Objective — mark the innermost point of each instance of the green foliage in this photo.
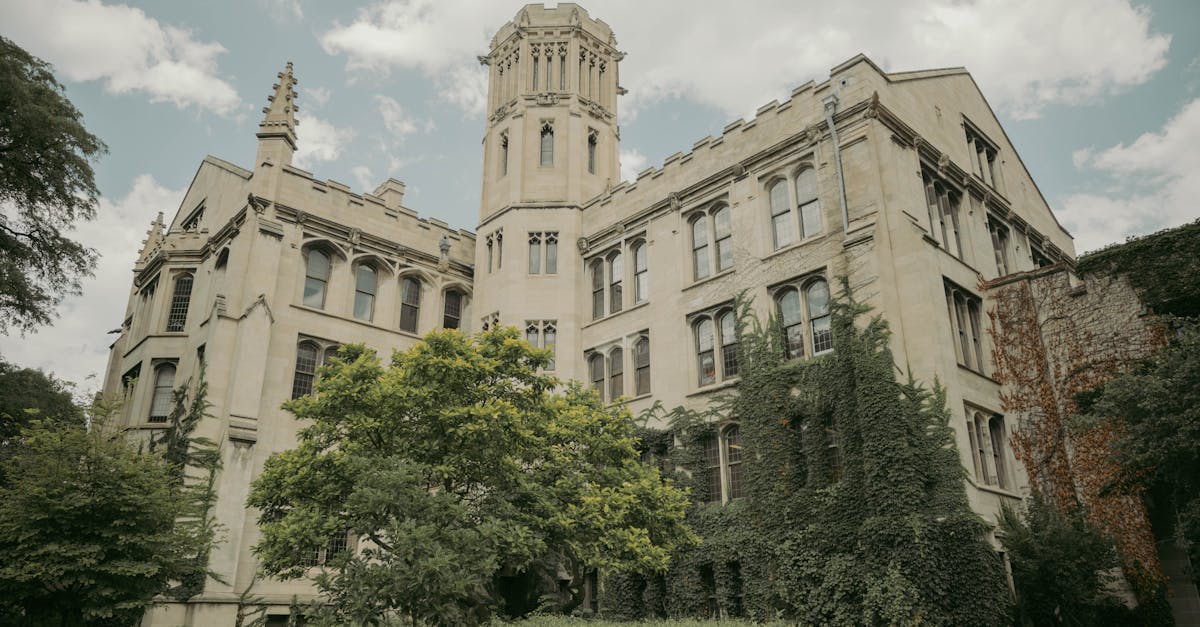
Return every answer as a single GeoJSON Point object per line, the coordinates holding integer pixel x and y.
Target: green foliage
{"type": "Point", "coordinates": [1157, 407]}
{"type": "Point", "coordinates": [46, 186]}
{"type": "Point", "coordinates": [1061, 566]}
{"type": "Point", "coordinates": [86, 529]}
{"type": "Point", "coordinates": [1164, 268]}
{"type": "Point", "coordinates": [459, 467]}
{"type": "Point", "coordinates": [28, 395]}
{"type": "Point", "coordinates": [855, 510]}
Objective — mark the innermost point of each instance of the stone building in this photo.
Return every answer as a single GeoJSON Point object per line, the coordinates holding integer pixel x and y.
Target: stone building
{"type": "Point", "coordinates": [905, 183]}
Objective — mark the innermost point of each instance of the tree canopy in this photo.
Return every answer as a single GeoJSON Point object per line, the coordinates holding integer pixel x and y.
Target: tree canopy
{"type": "Point", "coordinates": [46, 186]}
{"type": "Point", "coordinates": [462, 471]}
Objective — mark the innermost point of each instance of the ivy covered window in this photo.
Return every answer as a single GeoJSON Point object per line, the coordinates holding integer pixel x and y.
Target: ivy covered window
{"type": "Point", "coordinates": [989, 448]}
{"type": "Point", "coordinates": [716, 330]}
{"type": "Point", "coordinates": [804, 315]}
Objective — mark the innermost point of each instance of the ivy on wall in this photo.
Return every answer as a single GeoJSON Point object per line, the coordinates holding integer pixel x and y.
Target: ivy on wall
{"type": "Point", "coordinates": [855, 509]}
{"type": "Point", "coordinates": [1164, 267]}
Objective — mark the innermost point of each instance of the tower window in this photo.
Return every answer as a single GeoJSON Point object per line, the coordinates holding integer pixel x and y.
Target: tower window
{"type": "Point", "coordinates": [160, 401]}
{"type": "Point", "coordinates": [539, 242]}
{"type": "Point", "coordinates": [316, 278]}
{"type": "Point", "coordinates": [503, 154]}
{"type": "Point", "coordinates": [179, 303]}
{"type": "Point", "coordinates": [547, 145]}
{"type": "Point", "coordinates": [410, 304]}
{"type": "Point", "coordinates": [543, 334]}
{"type": "Point", "coordinates": [591, 152]}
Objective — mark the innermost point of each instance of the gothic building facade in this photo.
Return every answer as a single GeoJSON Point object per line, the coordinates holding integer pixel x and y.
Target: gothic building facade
{"type": "Point", "coordinates": [904, 183]}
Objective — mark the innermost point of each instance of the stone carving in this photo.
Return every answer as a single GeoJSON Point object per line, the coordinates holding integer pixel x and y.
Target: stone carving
{"type": "Point", "coordinates": [739, 170]}
{"type": "Point", "coordinates": [355, 236]}
{"type": "Point", "coordinates": [582, 244]}
{"type": "Point", "coordinates": [673, 199]}
{"type": "Point", "coordinates": [547, 99]}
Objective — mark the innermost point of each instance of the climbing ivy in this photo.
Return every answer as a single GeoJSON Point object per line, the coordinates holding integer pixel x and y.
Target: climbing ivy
{"type": "Point", "coordinates": [855, 509]}
{"type": "Point", "coordinates": [1163, 267]}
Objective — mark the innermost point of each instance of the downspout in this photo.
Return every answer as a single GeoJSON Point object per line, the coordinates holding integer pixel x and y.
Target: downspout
{"type": "Point", "coordinates": [831, 102]}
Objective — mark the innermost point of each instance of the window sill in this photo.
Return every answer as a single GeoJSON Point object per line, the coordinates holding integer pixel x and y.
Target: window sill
{"type": "Point", "coordinates": [356, 321]}
{"type": "Point", "coordinates": [994, 490]}
{"type": "Point", "coordinates": [791, 247]}
{"type": "Point", "coordinates": [714, 387]}
{"type": "Point", "coordinates": [723, 273]}
{"type": "Point", "coordinates": [631, 399]}
{"type": "Point", "coordinates": [614, 315]}
{"type": "Point", "coordinates": [977, 373]}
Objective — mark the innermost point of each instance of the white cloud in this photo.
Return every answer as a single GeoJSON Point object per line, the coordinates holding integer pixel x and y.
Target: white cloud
{"type": "Point", "coordinates": [123, 47]}
{"type": "Point", "coordinates": [362, 176]}
{"type": "Point", "coordinates": [1148, 184]}
{"type": "Point", "coordinates": [318, 95]}
{"type": "Point", "coordinates": [1026, 54]}
{"type": "Point", "coordinates": [283, 10]}
{"type": "Point", "coordinates": [75, 347]}
{"type": "Point", "coordinates": [398, 121]}
{"type": "Point", "coordinates": [319, 141]}
{"type": "Point", "coordinates": [632, 162]}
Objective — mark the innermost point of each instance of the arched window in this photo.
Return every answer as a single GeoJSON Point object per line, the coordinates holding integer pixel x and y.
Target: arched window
{"type": "Point", "coordinates": [700, 265]}
{"type": "Point", "coordinates": [792, 320]}
{"type": "Point", "coordinates": [177, 317]}
{"type": "Point", "coordinates": [781, 214]}
{"type": "Point", "coordinates": [996, 429]}
{"type": "Point", "coordinates": [615, 273]}
{"type": "Point", "coordinates": [727, 323]}
{"type": "Point", "coordinates": [547, 145]}
{"type": "Point", "coordinates": [733, 461]}
{"type": "Point", "coordinates": [706, 364]}
{"type": "Point", "coordinates": [591, 152]}
{"type": "Point", "coordinates": [597, 270]}
{"type": "Point", "coordinates": [723, 236]}
{"type": "Point", "coordinates": [316, 278]}
{"type": "Point", "coordinates": [806, 201]}
{"type": "Point", "coordinates": [535, 253]}
{"type": "Point", "coordinates": [819, 318]}
{"type": "Point", "coordinates": [616, 374]}
{"type": "Point", "coordinates": [641, 359]}
{"type": "Point", "coordinates": [410, 304]}
{"type": "Point", "coordinates": [365, 284]}
{"type": "Point", "coordinates": [452, 317]}
{"type": "Point", "coordinates": [596, 373]}
{"type": "Point", "coordinates": [306, 369]}
{"type": "Point", "coordinates": [160, 400]}
{"type": "Point", "coordinates": [550, 341]}
{"type": "Point", "coordinates": [641, 277]}
{"type": "Point", "coordinates": [712, 459]}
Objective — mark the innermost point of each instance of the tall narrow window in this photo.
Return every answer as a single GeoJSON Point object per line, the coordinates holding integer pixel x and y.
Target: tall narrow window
{"type": "Point", "coordinates": [316, 278]}
{"type": "Point", "coordinates": [974, 450]}
{"type": "Point", "coordinates": [706, 364]}
{"type": "Point", "coordinates": [453, 314]}
{"type": "Point", "coordinates": [806, 200]}
{"type": "Point", "coordinates": [818, 316]}
{"type": "Point", "coordinates": [641, 359]}
{"type": "Point", "coordinates": [641, 277]}
{"type": "Point", "coordinates": [410, 304]}
{"type": "Point", "coordinates": [179, 303]}
{"type": "Point", "coordinates": [791, 318]}
{"type": "Point", "coordinates": [562, 68]}
{"type": "Point", "coordinates": [533, 332]}
{"type": "Point", "coordinates": [535, 253]}
{"type": "Point", "coordinates": [996, 427]}
{"type": "Point", "coordinates": [503, 154]}
{"type": "Point", "coordinates": [712, 458]}
{"type": "Point", "coordinates": [723, 236]}
{"type": "Point", "coordinates": [489, 253]}
{"type": "Point", "coordinates": [729, 344]}
{"type": "Point", "coordinates": [306, 369]}
{"type": "Point", "coordinates": [591, 152]}
{"type": "Point", "coordinates": [976, 332]}
{"type": "Point", "coordinates": [960, 314]}
{"type": "Point", "coordinates": [597, 270]}
{"type": "Point", "coordinates": [365, 285]}
{"type": "Point", "coordinates": [984, 456]}
{"type": "Point", "coordinates": [552, 253]}
{"type": "Point", "coordinates": [733, 460]}
{"type": "Point", "coordinates": [547, 145]}
{"type": "Point", "coordinates": [615, 273]}
{"type": "Point", "coordinates": [616, 374]}
{"type": "Point", "coordinates": [700, 247]}
{"type": "Point", "coordinates": [537, 50]}
{"type": "Point", "coordinates": [550, 341]}
{"type": "Point", "coordinates": [596, 373]}
{"type": "Point", "coordinates": [781, 215]}
{"type": "Point", "coordinates": [999, 245]}
{"type": "Point", "coordinates": [160, 401]}
{"type": "Point", "coordinates": [499, 249]}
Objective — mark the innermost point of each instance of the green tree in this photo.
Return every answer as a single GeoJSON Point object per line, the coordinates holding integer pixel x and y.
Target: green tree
{"type": "Point", "coordinates": [1061, 567]}
{"type": "Point", "coordinates": [1156, 407]}
{"type": "Point", "coordinates": [46, 186]}
{"type": "Point", "coordinates": [28, 395]}
{"type": "Point", "coordinates": [456, 465]}
{"type": "Point", "coordinates": [87, 533]}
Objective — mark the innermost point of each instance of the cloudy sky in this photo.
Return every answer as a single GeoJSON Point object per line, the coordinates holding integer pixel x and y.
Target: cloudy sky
{"type": "Point", "coordinates": [1101, 98]}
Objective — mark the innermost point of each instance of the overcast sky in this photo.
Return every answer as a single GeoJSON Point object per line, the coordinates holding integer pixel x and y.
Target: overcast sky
{"type": "Point", "coordinates": [1101, 98]}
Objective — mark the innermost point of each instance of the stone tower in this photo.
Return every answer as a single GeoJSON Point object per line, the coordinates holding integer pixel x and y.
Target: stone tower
{"type": "Point", "coordinates": [551, 144]}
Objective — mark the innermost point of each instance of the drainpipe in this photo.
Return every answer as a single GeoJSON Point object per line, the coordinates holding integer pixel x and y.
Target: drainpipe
{"type": "Point", "coordinates": [831, 102]}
